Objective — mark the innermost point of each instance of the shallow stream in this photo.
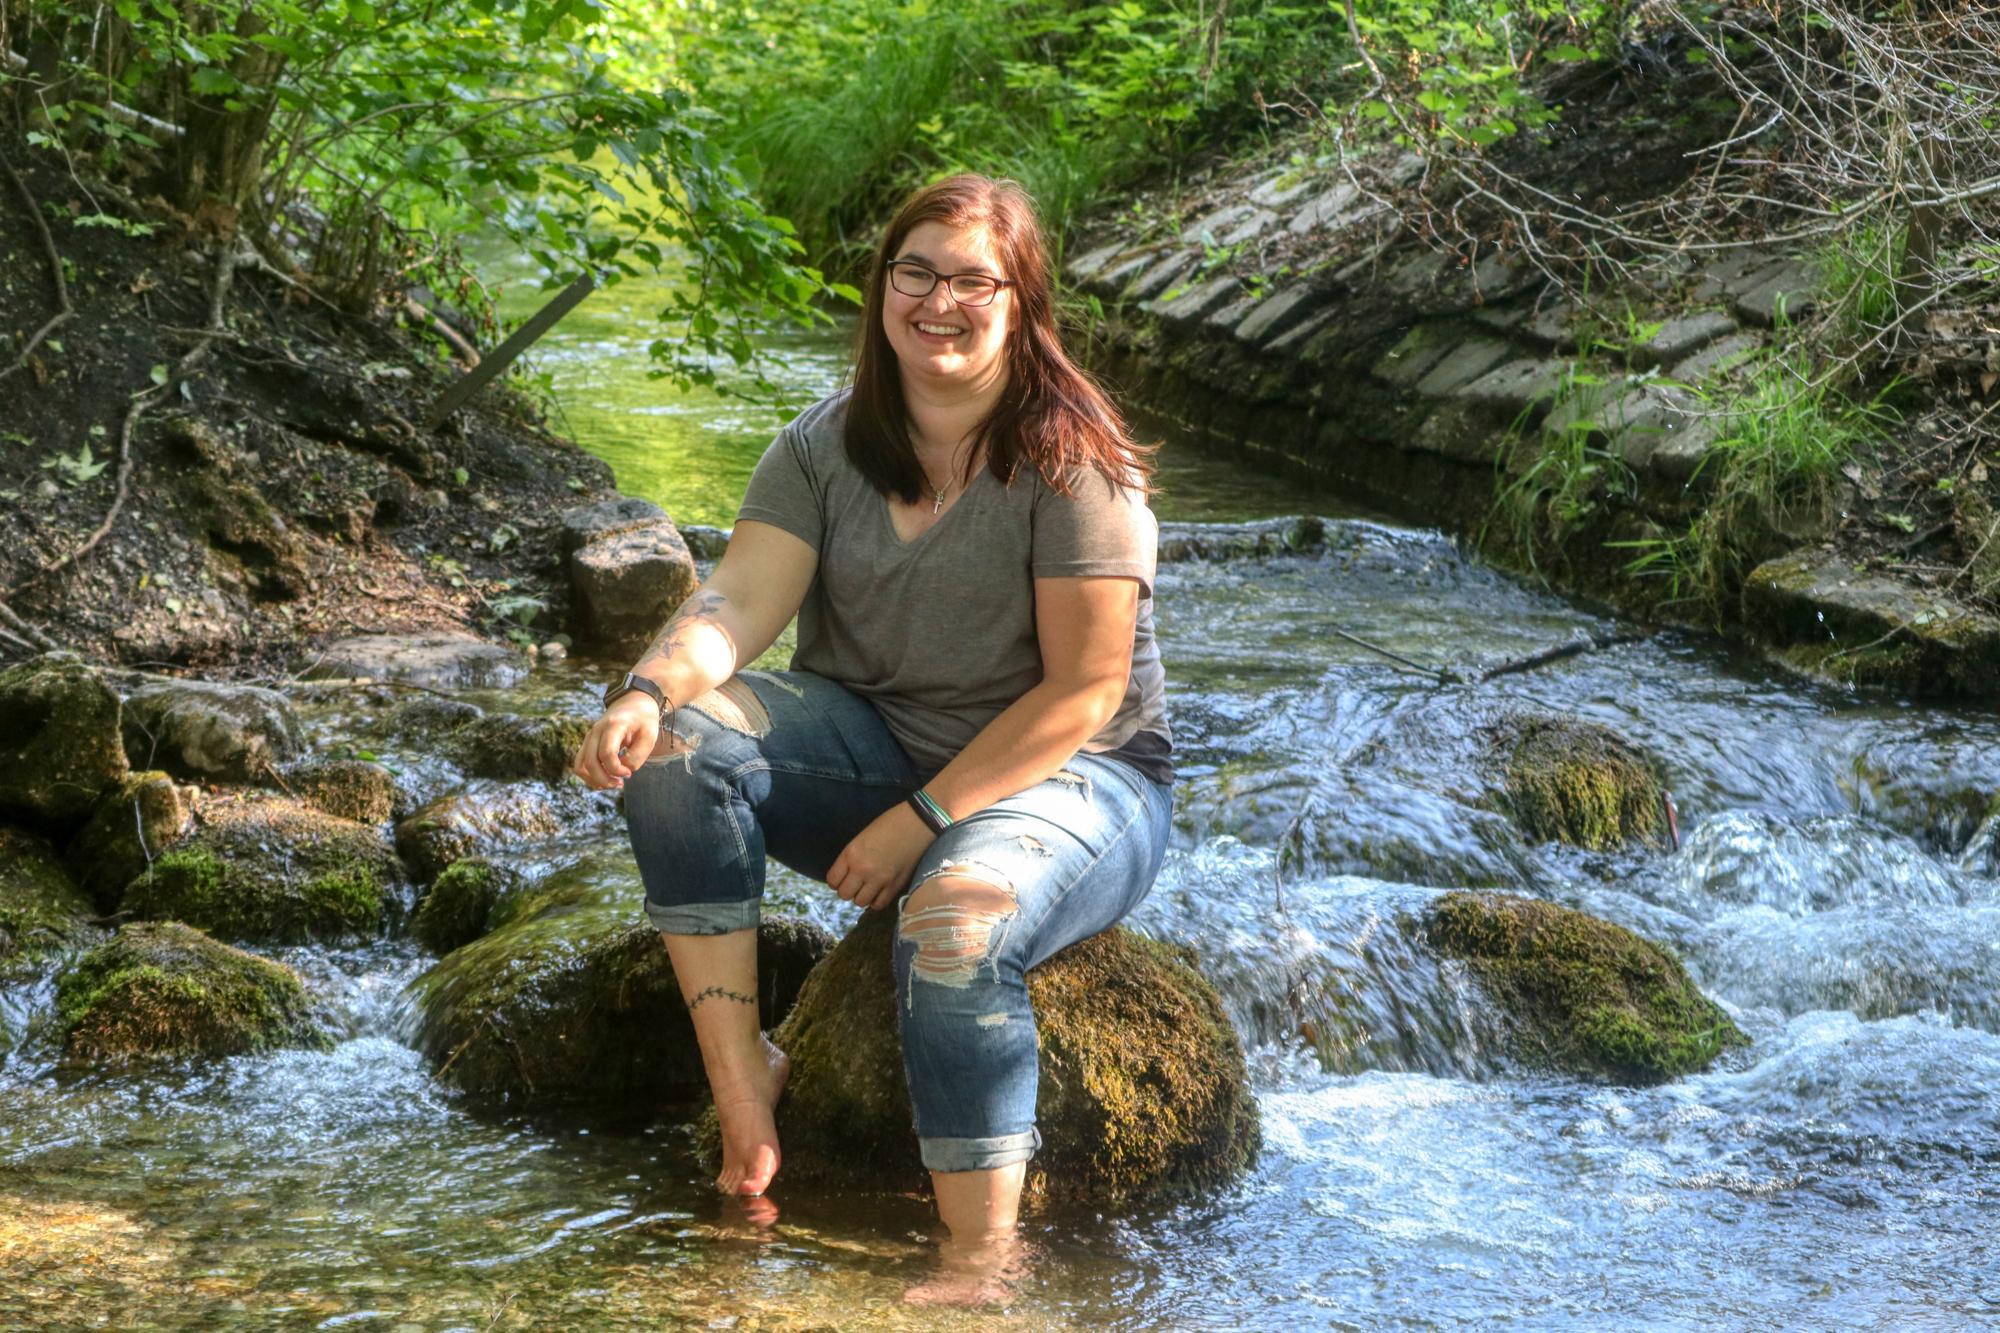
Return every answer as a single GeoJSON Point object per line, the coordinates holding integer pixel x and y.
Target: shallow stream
{"type": "Point", "coordinates": [1835, 891]}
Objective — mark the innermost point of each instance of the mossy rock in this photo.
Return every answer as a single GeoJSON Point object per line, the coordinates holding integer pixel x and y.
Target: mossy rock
{"type": "Point", "coordinates": [510, 746]}
{"type": "Point", "coordinates": [468, 899]}
{"type": "Point", "coordinates": [469, 823]}
{"type": "Point", "coordinates": [1583, 784]}
{"type": "Point", "coordinates": [350, 788]}
{"type": "Point", "coordinates": [1143, 1091]}
{"type": "Point", "coordinates": [211, 731]}
{"type": "Point", "coordinates": [1584, 996]}
{"type": "Point", "coordinates": [162, 990]}
{"type": "Point", "coordinates": [62, 745]}
{"type": "Point", "coordinates": [270, 869]}
{"type": "Point", "coordinates": [578, 1003]}
{"type": "Point", "coordinates": [134, 823]}
{"type": "Point", "coordinates": [431, 718]}
{"type": "Point", "coordinates": [42, 912]}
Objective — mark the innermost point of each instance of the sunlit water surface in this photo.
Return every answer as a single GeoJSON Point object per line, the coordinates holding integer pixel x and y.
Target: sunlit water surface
{"type": "Point", "coordinates": [1836, 891]}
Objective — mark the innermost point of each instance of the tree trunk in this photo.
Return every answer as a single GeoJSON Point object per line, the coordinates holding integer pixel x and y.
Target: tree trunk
{"type": "Point", "coordinates": [222, 155]}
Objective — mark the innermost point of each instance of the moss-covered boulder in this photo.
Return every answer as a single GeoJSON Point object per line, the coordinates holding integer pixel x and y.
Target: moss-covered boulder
{"type": "Point", "coordinates": [1143, 1091]}
{"type": "Point", "coordinates": [1582, 995]}
{"type": "Point", "coordinates": [1581, 783]}
{"type": "Point", "coordinates": [161, 990]}
{"type": "Point", "coordinates": [464, 903]}
{"type": "Point", "coordinates": [42, 912]}
{"type": "Point", "coordinates": [135, 822]}
{"type": "Point", "coordinates": [510, 746]}
{"type": "Point", "coordinates": [211, 731]}
{"type": "Point", "coordinates": [577, 1002]}
{"type": "Point", "coordinates": [430, 718]}
{"type": "Point", "coordinates": [59, 740]}
{"type": "Point", "coordinates": [350, 788]}
{"type": "Point", "coordinates": [270, 869]}
{"type": "Point", "coordinates": [469, 823]}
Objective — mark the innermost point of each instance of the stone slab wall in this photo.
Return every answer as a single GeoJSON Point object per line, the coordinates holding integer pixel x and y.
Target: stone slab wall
{"type": "Point", "coordinates": [1286, 324]}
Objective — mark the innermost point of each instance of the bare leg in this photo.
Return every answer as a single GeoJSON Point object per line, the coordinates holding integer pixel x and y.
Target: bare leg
{"type": "Point", "coordinates": [979, 1208]}
{"type": "Point", "coordinates": [718, 976]}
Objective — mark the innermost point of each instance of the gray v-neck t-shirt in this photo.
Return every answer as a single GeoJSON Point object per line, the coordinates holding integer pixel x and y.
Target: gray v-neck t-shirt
{"type": "Point", "coordinates": [939, 632]}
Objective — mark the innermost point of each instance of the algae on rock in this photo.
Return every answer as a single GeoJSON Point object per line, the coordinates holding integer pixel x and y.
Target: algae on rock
{"type": "Point", "coordinates": [270, 869]}
{"type": "Point", "coordinates": [61, 746]}
{"type": "Point", "coordinates": [1583, 995]}
{"type": "Point", "coordinates": [1582, 783]}
{"type": "Point", "coordinates": [134, 824]}
{"type": "Point", "coordinates": [1143, 1090]}
{"type": "Point", "coordinates": [577, 1001]}
{"type": "Point", "coordinates": [510, 746]}
{"type": "Point", "coordinates": [41, 911]}
{"type": "Point", "coordinates": [350, 788]}
{"type": "Point", "coordinates": [165, 990]}
{"type": "Point", "coordinates": [462, 905]}
{"type": "Point", "coordinates": [467, 823]}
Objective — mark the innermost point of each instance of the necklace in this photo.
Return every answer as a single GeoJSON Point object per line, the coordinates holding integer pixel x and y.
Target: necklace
{"type": "Point", "coordinates": [938, 496]}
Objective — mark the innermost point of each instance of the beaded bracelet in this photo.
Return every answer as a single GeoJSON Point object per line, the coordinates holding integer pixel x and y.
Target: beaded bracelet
{"type": "Point", "coordinates": [933, 814]}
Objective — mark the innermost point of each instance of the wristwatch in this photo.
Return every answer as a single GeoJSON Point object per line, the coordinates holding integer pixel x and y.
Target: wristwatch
{"type": "Point", "coordinates": [640, 684]}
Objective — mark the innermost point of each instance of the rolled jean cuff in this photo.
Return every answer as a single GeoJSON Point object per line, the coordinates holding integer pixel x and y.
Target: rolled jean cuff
{"type": "Point", "coordinates": [705, 918]}
{"type": "Point", "coordinates": [979, 1154]}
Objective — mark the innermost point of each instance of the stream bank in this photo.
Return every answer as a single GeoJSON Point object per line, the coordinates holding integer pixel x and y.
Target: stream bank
{"type": "Point", "coordinates": [1275, 309]}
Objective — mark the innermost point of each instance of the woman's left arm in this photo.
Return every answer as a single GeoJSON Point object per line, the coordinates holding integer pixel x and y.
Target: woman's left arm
{"type": "Point", "coordinates": [1085, 626]}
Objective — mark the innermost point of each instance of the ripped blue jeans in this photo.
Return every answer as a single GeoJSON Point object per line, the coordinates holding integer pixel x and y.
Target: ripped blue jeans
{"type": "Point", "coordinates": [792, 765]}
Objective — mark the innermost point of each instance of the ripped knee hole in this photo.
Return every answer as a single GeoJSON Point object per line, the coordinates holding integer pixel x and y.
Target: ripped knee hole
{"type": "Point", "coordinates": [953, 917]}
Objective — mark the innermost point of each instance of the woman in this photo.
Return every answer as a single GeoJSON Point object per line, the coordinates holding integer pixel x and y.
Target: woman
{"type": "Point", "coordinates": [974, 712]}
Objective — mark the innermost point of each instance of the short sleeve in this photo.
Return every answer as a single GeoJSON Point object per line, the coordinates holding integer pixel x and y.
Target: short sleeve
{"type": "Point", "coordinates": [784, 492]}
{"type": "Point", "coordinates": [1097, 529]}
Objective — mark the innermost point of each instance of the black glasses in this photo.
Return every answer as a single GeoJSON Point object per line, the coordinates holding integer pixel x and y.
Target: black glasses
{"type": "Point", "coordinates": [913, 279]}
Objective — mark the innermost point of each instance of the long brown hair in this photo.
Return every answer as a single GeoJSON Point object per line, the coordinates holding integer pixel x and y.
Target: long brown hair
{"type": "Point", "coordinates": [1051, 415]}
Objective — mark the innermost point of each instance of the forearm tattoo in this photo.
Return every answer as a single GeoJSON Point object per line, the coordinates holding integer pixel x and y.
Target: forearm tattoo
{"type": "Point", "coordinates": [719, 992]}
{"type": "Point", "coordinates": [700, 609]}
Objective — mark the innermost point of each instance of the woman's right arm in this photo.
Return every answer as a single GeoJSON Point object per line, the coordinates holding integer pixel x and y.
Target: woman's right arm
{"type": "Point", "coordinates": [735, 615]}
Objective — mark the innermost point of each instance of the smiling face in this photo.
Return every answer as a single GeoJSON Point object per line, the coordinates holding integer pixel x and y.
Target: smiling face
{"type": "Point", "coordinates": [935, 338]}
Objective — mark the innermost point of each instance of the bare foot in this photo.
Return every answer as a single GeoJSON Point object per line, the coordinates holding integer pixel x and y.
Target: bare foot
{"type": "Point", "coordinates": [983, 1272]}
{"type": "Point", "coordinates": [749, 1133]}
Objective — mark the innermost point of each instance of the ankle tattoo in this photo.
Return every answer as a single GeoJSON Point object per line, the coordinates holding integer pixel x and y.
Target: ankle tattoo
{"type": "Point", "coordinates": [719, 992]}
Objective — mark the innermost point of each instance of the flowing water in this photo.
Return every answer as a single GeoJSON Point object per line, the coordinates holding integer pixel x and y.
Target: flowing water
{"type": "Point", "coordinates": [1836, 890]}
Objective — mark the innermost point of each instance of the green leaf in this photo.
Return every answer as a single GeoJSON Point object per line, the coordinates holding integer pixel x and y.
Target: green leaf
{"type": "Point", "coordinates": [211, 81]}
{"type": "Point", "coordinates": [159, 374]}
{"type": "Point", "coordinates": [1569, 51]}
{"type": "Point", "coordinates": [460, 475]}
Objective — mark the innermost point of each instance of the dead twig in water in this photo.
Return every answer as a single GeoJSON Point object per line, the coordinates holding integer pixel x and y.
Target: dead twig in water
{"type": "Point", "coordinates": [1558, 653]}
{"type": "Point", "coordinates": [1443, 677]}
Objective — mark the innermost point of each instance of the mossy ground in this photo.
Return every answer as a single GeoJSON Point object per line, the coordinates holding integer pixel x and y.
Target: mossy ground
{"type": "Point", "coordinates": [164, 990]}
{"type": "Point", "coordinates": [1586, 996]}
{"type": "Point", "coordinates": [577, 1002]}
{"type": "Point", "coordinates": [269, 869]}
{"type": "Point", "coordinates": [1580, 783]}
{"type": "Point", "coordinates": [1143, 1091]}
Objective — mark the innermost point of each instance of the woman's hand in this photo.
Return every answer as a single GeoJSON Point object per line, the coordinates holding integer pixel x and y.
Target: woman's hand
{"type": "Point", "coordinates": [872, 869]}
{"type": "Point", "coordinates": [618, 742]}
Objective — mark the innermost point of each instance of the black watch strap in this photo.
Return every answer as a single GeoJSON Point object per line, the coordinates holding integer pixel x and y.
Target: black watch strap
{"type": "Point", "coordinates": [639, 684]}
